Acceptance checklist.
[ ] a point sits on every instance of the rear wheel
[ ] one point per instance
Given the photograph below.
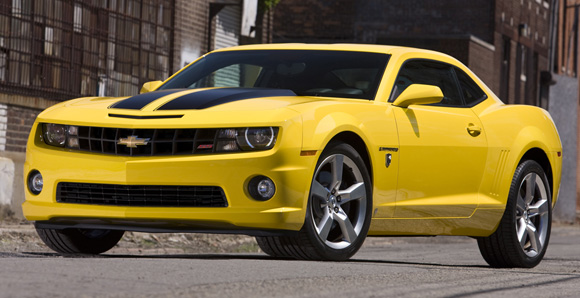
(522, 236)
(339, 210)
(80, 241)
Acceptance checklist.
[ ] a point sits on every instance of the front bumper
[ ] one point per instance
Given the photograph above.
(291, 173)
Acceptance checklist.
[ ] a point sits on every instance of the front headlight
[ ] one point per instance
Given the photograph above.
(246, 139)
(60, 135)
(257, 138)
(54, 134)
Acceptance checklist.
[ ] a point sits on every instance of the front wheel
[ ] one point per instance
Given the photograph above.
(79, 241)
(338, 213)
(522, 236)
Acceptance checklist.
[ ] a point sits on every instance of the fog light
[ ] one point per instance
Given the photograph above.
(261, 188)
(35, 182)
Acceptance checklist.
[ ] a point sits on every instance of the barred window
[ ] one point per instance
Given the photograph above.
(62, 49)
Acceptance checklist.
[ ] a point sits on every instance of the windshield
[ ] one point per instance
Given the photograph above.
(305, 72)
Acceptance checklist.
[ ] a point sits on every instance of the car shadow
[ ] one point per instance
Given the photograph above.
(235, 256)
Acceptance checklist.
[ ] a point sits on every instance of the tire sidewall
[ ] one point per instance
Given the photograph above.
(93, 244)
(326, 252)
(524, 169)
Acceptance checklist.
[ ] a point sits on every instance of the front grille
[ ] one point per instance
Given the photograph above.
(141, 195)
(159, 141)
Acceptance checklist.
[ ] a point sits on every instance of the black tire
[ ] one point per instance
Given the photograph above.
(340, 202)
(528, 216)
(272, 246)
(80, 241)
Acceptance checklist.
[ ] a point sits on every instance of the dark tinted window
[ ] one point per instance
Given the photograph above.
(428, 73)
(312, 73)
(472, 94)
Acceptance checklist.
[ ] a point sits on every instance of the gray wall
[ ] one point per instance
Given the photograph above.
(11, 182)
(563, 107)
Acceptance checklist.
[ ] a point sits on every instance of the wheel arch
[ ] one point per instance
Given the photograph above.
(354, 140)
(538, 155)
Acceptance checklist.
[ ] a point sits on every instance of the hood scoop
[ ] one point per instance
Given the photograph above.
(146, 116)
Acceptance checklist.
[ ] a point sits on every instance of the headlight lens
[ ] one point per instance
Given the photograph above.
(55, 134)
(246, 139)
(60, 135)
(257, 138)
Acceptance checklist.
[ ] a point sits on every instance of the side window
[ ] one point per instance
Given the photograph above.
(471, 91)
(428, 73)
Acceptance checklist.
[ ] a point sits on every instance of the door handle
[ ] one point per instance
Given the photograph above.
(473, 130)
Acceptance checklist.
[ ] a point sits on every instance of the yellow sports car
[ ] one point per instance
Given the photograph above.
(310, 148)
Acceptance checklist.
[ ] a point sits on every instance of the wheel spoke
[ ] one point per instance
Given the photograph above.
(530, 187)
(346, 227)
(521, 204)
(354, 192)
(522, 231)
(534, 237)
(337, 164)
(540, 208)
(319, 190)
(324, 226)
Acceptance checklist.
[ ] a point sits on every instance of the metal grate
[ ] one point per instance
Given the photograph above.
(71, 48)
(158, 141)
(141, 195)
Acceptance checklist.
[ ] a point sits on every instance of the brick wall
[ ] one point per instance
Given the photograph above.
(423, 18)
(481, 56)
(190, 36)
(367, 21)
(315, 19)
(19, 123)
(526, 24)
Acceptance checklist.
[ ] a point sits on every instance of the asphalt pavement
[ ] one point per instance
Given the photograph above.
(385, 267)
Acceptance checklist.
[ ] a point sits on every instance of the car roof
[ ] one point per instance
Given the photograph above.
(386, 49)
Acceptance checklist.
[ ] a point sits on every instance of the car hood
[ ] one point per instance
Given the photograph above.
(208, 107)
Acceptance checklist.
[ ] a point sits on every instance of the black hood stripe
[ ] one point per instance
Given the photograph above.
(138, 102)
(209, 98)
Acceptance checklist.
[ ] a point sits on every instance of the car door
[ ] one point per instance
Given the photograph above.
(443, 147)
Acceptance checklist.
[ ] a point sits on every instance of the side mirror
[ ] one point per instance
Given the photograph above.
(150, 86)
(418, 94)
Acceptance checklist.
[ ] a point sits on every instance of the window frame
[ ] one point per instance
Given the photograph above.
(375, 85)
(455, 80)
(482, 99)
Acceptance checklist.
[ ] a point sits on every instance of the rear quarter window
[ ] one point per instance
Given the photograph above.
(472, 93)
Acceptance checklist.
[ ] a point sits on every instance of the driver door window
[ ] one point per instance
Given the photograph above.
(428, 73)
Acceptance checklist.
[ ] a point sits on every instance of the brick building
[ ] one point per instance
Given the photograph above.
(505, 42)
(51, 51)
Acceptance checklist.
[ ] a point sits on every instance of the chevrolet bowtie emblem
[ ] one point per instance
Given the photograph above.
(132, 141)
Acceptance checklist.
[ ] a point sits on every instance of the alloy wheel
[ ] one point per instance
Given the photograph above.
(338, 198)
(532, 214)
